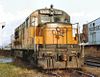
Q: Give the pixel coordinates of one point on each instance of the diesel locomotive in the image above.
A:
(46, 40)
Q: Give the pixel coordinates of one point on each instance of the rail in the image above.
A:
(85, 74)
(92, 61)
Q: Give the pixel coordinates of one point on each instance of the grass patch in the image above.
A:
(18, 68)
(11, 70)
(6, 57)
(7, 70)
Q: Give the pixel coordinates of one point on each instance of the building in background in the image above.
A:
(94, 32)
(2, 25)
(84, 34)
(91, 35)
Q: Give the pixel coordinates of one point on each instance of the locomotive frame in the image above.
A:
(46, 40)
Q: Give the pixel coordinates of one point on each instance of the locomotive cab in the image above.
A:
(53, 15)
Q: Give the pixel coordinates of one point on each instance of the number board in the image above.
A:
(47, 11)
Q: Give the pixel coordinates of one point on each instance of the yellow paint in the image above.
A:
(51, 38)
(48, 35)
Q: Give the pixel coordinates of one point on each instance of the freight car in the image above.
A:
(46, 40)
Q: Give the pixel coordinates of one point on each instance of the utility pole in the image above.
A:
(78, 36)
(78, 31)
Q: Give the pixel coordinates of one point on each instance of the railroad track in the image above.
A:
(65, 73)
(69, 73)
(92, 61)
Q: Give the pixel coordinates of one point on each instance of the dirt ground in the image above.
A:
(91, 69)
(27, 71)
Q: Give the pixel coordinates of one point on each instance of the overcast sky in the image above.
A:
(13, 12)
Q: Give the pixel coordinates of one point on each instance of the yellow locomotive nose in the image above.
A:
(57, 33)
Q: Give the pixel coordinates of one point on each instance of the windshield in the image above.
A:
(44, 18)
(53, 18)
